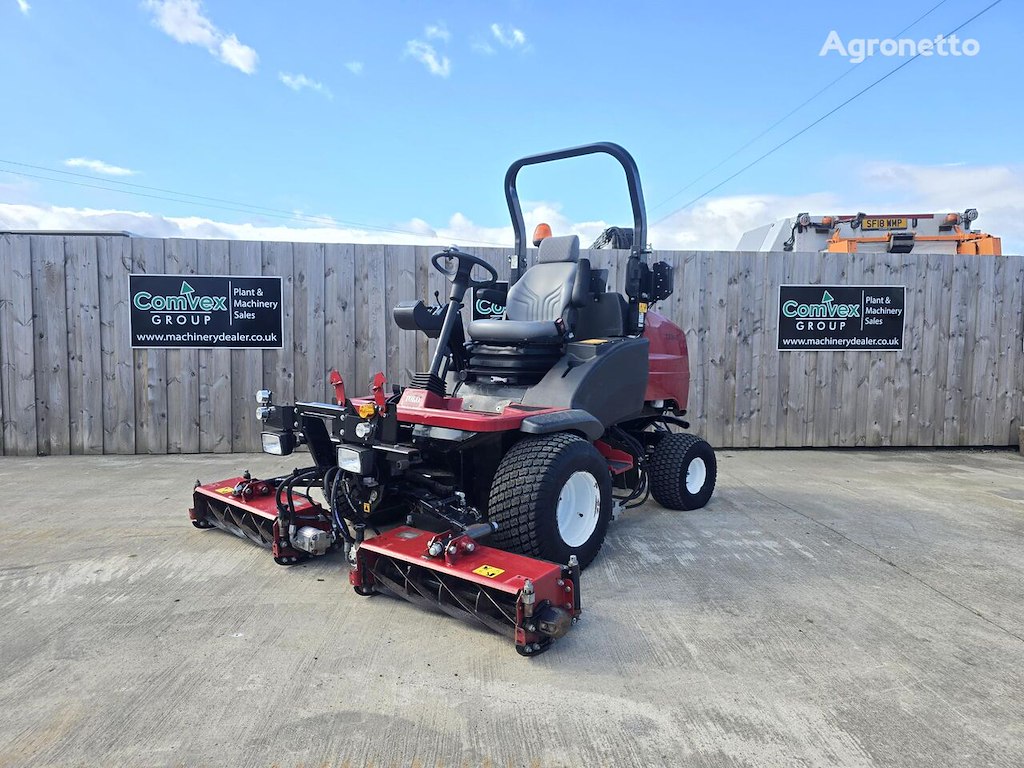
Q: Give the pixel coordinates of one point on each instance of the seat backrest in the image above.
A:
(545, 290)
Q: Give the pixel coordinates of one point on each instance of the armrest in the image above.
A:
(581, 293)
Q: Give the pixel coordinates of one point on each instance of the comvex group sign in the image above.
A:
(206, 311)
(841, 317)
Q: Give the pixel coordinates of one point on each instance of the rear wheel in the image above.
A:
(552, 498)
(683, 471)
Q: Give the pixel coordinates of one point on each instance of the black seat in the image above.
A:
(548, 292)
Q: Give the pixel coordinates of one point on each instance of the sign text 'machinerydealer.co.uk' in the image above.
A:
(206, 311)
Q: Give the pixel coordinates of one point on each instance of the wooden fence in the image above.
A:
(71, 383)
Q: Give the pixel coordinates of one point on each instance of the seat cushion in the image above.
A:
(515, 331)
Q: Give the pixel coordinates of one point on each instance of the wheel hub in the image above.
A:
(579, 508)
(696, 475)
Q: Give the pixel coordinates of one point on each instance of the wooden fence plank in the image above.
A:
(17, 350)
(944, 350)
(771, 359)
(51, 345)
(340, 313)
(277, 367)
(212, 258)
(920, 412)
(979, 407)
(928, 325)
(733, 297)
(1010, 351)
(886, 274)
(400, 285)
(908, 273)
(718, 380)
(246, 364)
(370, 336)
(181, 258)
(150, 364)
(308, 323)
(960, 309)
(818, 431)
(113, 256)
(85, 364)
(854, 375)
(793, 366)
(812, 264)
(754, 293)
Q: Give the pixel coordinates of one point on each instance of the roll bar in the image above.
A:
(636, 195)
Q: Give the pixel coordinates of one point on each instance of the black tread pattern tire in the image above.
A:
(524, 496)
(668, 466)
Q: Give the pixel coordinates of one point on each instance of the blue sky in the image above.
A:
(404, 116)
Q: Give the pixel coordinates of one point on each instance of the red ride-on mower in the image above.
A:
(509, 457)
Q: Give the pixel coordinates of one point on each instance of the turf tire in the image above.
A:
(525, 491)
(668, 469)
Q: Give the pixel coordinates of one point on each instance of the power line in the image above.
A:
(789, 114)
(209, 202)
(828, 114)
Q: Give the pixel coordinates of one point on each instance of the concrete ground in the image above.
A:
(826, 609)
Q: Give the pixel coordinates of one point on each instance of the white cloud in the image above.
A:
(237, 55)
(355, 67)
(184, 21)
(483, 47)
(440, 66)
(24, 7)
(300, 81)
(996, 191)
(98, 166)
(714, 224)
(510, 38)
(318, 229)
(437, 32)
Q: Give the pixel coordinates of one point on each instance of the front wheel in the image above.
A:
(552, 498)
(683, 471)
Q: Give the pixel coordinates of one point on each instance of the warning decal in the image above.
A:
(489, 571)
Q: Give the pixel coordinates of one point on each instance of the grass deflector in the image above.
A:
(508, 458)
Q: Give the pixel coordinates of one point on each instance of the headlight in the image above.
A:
(264, 396)
(358, 461)
(278, 443)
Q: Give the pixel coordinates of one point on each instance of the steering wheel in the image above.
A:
(461, 275)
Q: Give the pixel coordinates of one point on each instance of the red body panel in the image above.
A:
(410, 545)
(264, 505)
(418, 406)
(489, 570)
(669, 377)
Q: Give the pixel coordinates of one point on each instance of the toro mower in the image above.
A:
(484, 487)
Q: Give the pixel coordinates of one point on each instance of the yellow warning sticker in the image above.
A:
(594, 341)
(489, 571)
(226, 489)
(643, 306)
(366, 507)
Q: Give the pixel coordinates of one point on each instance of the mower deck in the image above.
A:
(532, 601)
(247, 508)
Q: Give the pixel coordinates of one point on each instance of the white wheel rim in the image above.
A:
(579, 507)
(696, 476)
